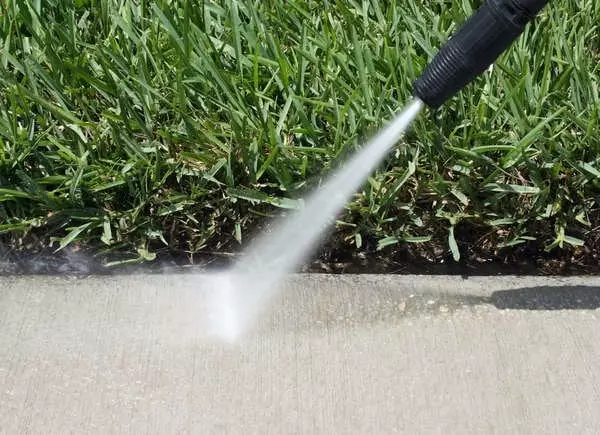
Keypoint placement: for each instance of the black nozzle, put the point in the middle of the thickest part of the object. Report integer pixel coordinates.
(476, 45)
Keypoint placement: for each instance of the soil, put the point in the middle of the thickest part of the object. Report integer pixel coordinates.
(336, 257)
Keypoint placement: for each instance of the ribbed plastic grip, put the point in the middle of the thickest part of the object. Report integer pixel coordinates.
(476, 45)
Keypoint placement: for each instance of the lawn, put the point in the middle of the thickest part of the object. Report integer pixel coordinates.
(137, 129)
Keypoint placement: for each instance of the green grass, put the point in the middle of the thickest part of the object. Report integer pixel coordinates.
(139, 127)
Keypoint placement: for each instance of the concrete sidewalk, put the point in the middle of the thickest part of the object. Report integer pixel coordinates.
(333, 355)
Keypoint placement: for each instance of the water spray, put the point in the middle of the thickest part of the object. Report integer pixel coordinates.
(244, 291)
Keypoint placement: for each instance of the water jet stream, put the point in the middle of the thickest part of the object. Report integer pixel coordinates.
(245, 290)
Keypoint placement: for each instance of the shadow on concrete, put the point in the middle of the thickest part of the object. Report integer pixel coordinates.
(547, 298)
(539, 298)
(402, 305)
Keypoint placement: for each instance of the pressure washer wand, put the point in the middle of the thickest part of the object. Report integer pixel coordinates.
(476, 45)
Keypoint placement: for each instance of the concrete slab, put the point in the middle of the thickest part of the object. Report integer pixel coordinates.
(332, 355)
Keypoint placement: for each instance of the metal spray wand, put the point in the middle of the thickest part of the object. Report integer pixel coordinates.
(474, 47)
